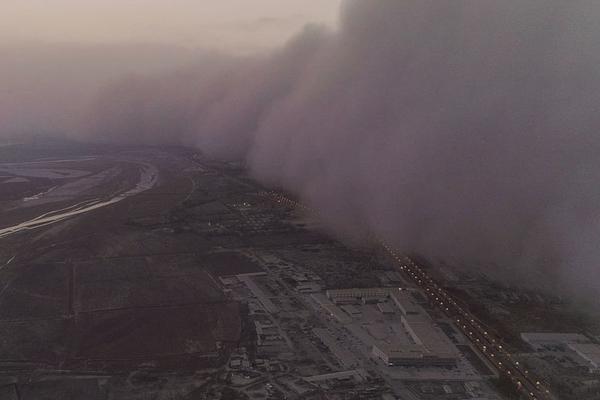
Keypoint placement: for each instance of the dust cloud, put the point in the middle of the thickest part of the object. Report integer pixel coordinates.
(463, 130)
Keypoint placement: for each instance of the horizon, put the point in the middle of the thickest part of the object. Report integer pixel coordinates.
(235, 26)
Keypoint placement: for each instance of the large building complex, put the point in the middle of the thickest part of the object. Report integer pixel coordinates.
(391, 322)
(416, 341)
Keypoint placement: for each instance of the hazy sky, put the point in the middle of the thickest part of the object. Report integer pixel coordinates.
(239, 25)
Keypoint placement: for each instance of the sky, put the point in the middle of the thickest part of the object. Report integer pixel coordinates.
(231, 25)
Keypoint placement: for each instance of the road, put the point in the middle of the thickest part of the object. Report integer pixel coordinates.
(489, 344)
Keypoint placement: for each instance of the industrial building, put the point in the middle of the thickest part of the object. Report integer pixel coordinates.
(371, 296)
(411, 356)
(398, 355)
(416, 342)
(363, 295)
(391, 323)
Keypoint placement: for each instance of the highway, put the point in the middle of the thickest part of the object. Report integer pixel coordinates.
(483, 338)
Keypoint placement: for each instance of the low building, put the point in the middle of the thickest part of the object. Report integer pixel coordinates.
(411, 356)
(541, 340)
(360, 295)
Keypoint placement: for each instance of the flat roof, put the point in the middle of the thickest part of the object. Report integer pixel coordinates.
(589, 351)
(432, 338)
(554, 337)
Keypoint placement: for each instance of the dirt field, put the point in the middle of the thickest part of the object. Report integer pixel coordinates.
(116, 288)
